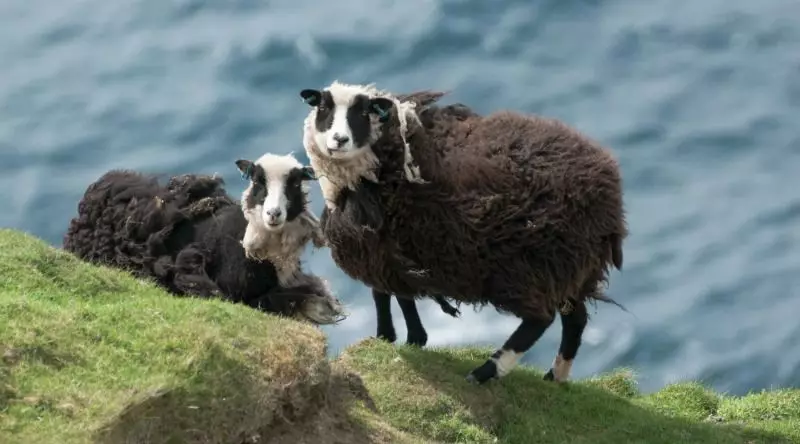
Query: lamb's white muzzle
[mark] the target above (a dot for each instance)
(273, 211)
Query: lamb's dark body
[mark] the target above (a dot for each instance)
(519, 211)
(185, 236)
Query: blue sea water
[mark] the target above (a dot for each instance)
(699, 100)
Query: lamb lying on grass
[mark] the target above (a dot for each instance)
(188, 236)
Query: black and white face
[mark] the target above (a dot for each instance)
(346, 118)
(277, 191)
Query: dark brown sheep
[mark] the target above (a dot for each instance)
(517, 211)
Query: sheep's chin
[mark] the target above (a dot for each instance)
(345, 156)
(273, 228)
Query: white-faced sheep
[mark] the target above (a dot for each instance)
(517, 211)
(187, 236)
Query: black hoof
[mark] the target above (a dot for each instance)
(549, 376)
(388, 336)
(417, 339)
(483, 373)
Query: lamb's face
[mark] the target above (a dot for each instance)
(277, 191)
(346, 118)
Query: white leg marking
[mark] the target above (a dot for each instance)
(561, 368)
(506, 362)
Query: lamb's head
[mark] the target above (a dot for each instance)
(278, 190)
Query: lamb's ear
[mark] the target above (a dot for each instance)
(311, 96)
(381, 106)
(308, 173)
(246, 168)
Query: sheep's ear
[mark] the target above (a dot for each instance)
(308, 173)
(311, 96)
(246, 168)
(381, 106)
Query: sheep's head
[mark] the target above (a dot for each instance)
(346, 118)
(278, 190)
(344, 124)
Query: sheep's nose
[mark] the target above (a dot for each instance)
(341, 139)
(274, 212)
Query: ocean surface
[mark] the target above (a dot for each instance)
(699, 100)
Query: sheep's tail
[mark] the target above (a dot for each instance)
(603, 298)
(616, 250)
(447, 307)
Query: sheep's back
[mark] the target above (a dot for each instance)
(518, 206)
(112, 219)
(539, 169)
(128, 220)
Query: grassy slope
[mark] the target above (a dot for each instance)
(424, 391)
(89, 354)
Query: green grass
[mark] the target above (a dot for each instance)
(92, 355)
(424, 391)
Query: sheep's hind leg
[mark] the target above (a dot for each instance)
(573, 322)
(383, 310)
(416, 332)
(505, 359)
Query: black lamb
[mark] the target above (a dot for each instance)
(187, 236)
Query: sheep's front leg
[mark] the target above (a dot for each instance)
(383, 311)
(253, 241)
(416, 332)
(317, 237)
(572, 325)
(505, 359)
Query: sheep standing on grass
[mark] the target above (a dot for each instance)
(188, 236)
(516, 211)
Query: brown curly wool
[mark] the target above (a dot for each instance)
(518, 211)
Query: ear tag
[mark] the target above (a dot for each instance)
(383, 115)
(249, 173)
